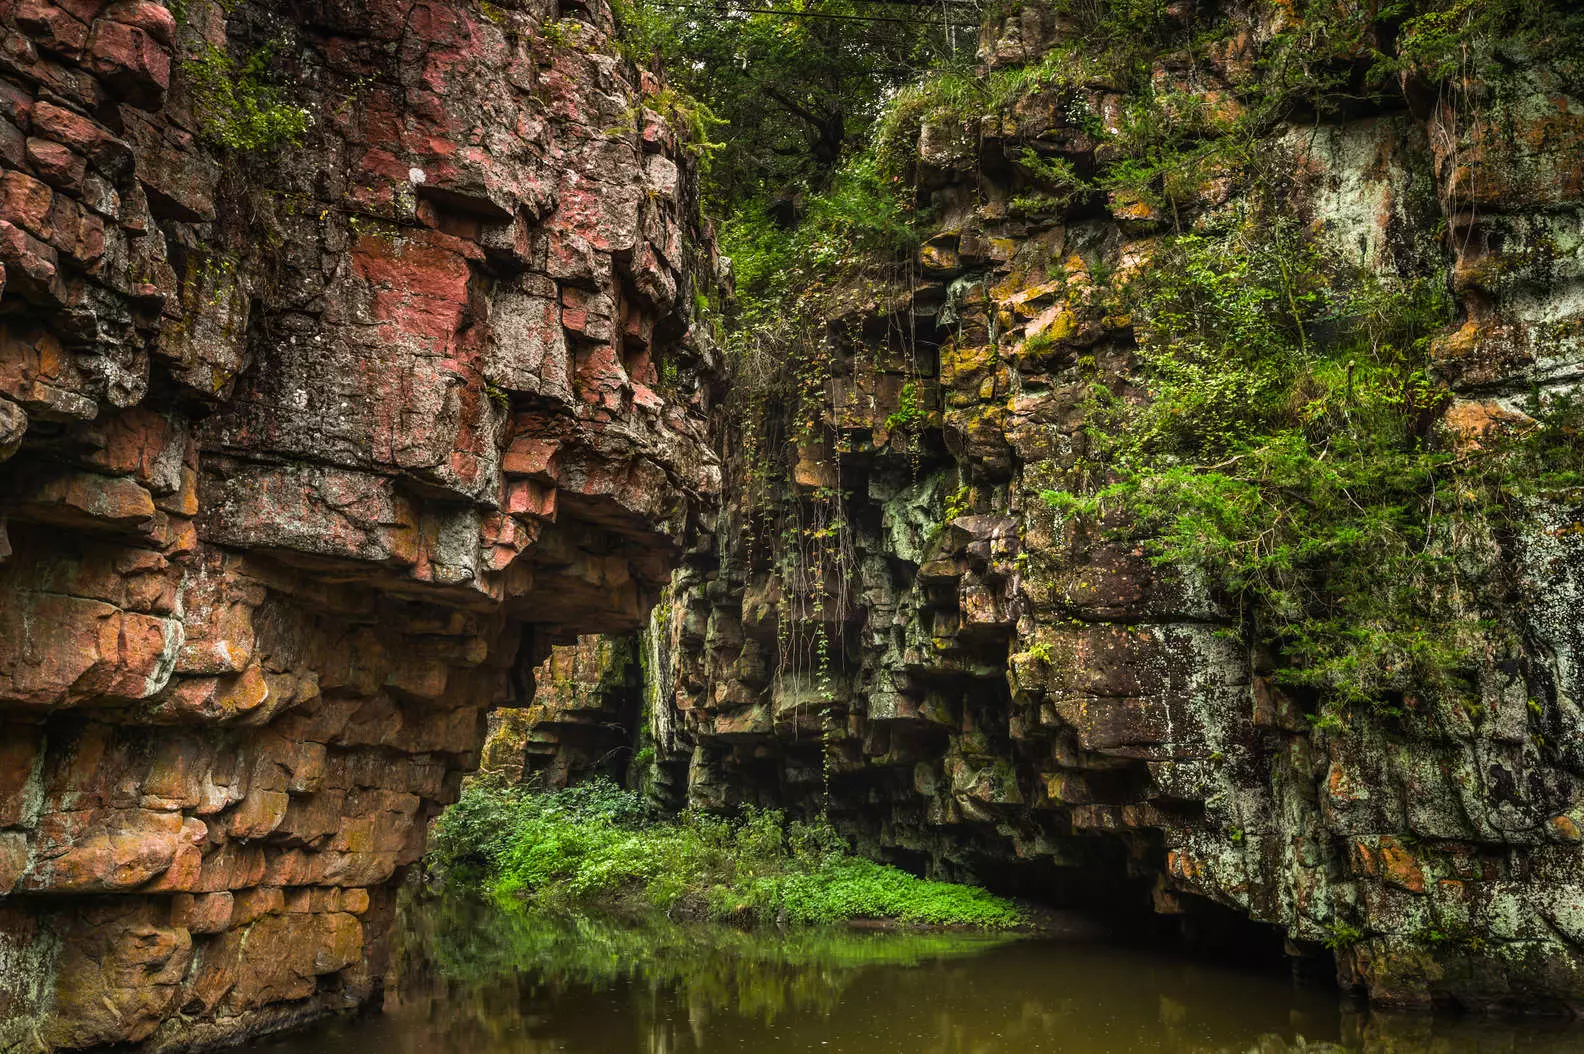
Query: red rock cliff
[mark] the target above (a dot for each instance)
(307, 454)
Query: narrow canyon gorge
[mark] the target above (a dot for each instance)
(338, 463)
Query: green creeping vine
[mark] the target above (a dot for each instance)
(910, 408)
(1286, 450)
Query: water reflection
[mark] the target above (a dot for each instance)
(477, 980)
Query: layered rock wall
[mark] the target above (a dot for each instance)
(346, 363)
(585, 716)
(976, 683)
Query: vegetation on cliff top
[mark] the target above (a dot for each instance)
(797, 90)
(597, 846)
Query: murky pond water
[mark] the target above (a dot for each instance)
(479, 981)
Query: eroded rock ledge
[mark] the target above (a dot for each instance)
(306, 456)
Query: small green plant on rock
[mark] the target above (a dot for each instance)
(1341, 935)
(498, 396)
(237, 107)
(910, 408)
(561, 32)
(692, 119)
(1056, 173)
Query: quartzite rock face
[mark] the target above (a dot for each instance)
(979, 685)
(587, 702)
(306, 457)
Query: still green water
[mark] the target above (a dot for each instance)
(481, 981)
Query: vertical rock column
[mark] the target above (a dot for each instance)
(308, 453)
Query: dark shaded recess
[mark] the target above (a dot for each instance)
(1211, 931)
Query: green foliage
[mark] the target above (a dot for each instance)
(1460, 935)
(957, 504)
(1341, 935)
(796, 92)
(952, 94)
(692, 120)
(860, 217)
(849, 887)
(1164, 143)
(910, 408)
(1116, 23)
(781, 108)
(473, 836)
(1456, 37)
(596, 845)
(236, 106)
(1328, 57)
(1056, 173)
(1040, 651)
(1285, 452)
(498, 397)
(562, 32)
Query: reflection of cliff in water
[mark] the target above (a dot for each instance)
(476, 979)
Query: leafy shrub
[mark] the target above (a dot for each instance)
(596, 845)
(472, 837)
(860, 217)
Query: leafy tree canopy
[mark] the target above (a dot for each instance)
(797, 83)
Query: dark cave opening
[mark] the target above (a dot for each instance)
(1111, 895)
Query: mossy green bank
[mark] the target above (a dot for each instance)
(596, 846)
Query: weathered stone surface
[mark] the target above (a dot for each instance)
(301, 471)
(586, 704)
(971, 682)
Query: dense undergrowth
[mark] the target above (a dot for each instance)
(597, 846)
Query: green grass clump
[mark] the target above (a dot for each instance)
(597, 846)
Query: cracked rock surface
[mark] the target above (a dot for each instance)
(307, 455)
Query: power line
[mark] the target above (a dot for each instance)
(814, 14)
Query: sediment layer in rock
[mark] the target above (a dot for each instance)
(307, 454)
